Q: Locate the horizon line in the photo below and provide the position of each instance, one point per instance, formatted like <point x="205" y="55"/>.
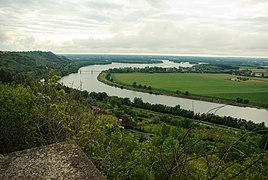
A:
<point x="156" y="54"/>
<point x="141" y="54"/>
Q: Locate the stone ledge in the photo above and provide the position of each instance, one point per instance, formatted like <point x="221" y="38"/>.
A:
<point x="63" y="160"/>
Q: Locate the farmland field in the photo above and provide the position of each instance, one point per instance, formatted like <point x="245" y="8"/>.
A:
<point x="208" y="85"/>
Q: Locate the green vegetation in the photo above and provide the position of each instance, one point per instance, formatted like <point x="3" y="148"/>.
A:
<point x="260" y="71"/>
<point x="209" y="85"/>
<point x="1" y="157"/>
<point x="32" y="65"/>
<point x="108" y="59"/>
<point x="224" y="61"/>
<point x="152" y="144"/>
<point x="36" y="65"/>
<point x="94" y="121"/>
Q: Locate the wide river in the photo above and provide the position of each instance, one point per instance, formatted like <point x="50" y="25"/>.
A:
<point x="86" y="79"/>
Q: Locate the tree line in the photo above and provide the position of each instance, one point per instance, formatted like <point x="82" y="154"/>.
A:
<point x="208" y="117"/>
<point x="199" y="68"/>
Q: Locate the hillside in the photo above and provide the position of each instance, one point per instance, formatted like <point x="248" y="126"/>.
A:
<point x="33" y="64"/>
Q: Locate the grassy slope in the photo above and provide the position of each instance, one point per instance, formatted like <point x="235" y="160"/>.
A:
<point x="212" y="85"/>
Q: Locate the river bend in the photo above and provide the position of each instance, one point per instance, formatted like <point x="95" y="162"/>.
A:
<point x="86" y="79"/>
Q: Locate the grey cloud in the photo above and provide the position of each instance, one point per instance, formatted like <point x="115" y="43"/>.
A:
<point x="261" y="20"/>
<point x="255" y="1"/>
<point x="104" y="5"/>
<point x="137" y="15"/>
<point x="3" y="37"/>
<point x="165" y="38"/>
<point x="49" y="19"/>
<point x="150" y="26"/>
<point x="157" y="3"/>
<point x="175" y="40"/>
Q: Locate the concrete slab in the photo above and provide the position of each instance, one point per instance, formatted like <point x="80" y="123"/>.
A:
<point x="56" y="161"/>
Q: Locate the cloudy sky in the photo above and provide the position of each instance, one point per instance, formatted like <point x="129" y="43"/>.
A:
<point x="199" y="27"/>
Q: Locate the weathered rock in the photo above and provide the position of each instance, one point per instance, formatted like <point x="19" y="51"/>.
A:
<point x="56" y="161"/>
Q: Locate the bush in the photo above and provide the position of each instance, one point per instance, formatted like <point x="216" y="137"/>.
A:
<point x="17" y="123"/>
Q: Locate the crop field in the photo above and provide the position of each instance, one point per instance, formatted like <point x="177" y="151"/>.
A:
<point x="209" y="85"/>
<point x="260" y="71"/>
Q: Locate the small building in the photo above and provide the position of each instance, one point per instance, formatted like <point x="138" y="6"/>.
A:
<point x="236" y="79"/>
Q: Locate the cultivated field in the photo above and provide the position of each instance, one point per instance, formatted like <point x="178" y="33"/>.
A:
<point x="209" y="85"/>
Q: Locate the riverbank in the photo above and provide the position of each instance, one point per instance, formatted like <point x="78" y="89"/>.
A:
<point x="102" y="78"/>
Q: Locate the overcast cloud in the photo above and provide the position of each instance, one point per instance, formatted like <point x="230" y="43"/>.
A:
<point x="206" y="27"/>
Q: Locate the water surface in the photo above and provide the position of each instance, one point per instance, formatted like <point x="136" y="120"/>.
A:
<point x="86" y="79"/>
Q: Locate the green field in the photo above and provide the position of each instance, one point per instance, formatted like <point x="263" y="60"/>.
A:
<point x="208" y="85"/>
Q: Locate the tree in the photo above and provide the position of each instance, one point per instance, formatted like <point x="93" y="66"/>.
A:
<point x="186" y="93"/>
<point x="126" y="101"/>
<point x="264" y="142"/>
<point x="127" y="121"/>
<point x="246" y="101"/>
<point x="165" y="130"/>
<point x="134" y="84"/>
<point x="239" y="100"/>
<point x="138" y="102"/>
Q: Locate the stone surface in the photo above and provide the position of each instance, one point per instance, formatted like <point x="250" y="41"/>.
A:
<point x="56" y="161"/>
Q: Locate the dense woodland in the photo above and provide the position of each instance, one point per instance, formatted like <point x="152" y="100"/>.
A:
<point x="233" y="61"/>
<point x="124" y="139"/>
<point x="108" y="59"/>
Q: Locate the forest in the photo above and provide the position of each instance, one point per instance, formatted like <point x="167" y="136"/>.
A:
<point x="124" y="139"/>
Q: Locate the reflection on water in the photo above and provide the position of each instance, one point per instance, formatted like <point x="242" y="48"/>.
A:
<point x="86" y="79"/>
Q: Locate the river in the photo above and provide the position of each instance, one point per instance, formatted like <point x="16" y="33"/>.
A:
<point x="86" y="79"/>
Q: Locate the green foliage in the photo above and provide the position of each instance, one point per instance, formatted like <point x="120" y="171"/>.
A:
<point x="32" y="65"/>
<point x="1" y="157"/>
<point x="108" y="59"/>
<point x="179" y="149"/>
<point x="17" y="122"/>
<point x="39" y="115"/>
<point x="264" y="142"/>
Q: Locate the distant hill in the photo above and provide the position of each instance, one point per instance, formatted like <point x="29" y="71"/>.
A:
<point x="22" y="60"/>
<point x="31" y="64"/>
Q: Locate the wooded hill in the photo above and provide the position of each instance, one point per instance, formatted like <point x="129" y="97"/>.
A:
<point x="32" y="64"/>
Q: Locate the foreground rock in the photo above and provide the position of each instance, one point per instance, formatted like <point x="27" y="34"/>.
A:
<point x="56" y="161"/>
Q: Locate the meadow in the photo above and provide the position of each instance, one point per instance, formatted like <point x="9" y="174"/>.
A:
<point x="207" y="85"/>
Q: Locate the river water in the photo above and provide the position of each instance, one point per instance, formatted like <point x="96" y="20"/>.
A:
<point x="86" y="79"/>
